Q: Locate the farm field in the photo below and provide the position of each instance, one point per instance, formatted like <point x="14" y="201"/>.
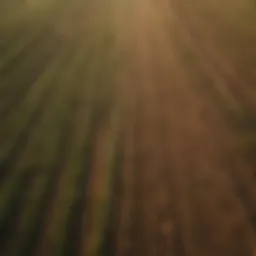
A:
<point x="128" y="128"/>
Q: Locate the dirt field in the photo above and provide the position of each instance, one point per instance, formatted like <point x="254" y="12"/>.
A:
<point x="128" y="128"/>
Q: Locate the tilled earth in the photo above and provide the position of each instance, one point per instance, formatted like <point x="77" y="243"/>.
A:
<point x="129" y="128"/>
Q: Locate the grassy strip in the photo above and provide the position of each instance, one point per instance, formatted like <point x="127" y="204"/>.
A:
<point x="68" y="195"/>
<point x="23" y="137"/>
<point x="11" y="217"/>
<point x="11" y="36"/>
<point x="108" y="242"/>
<point x="17" y="84"/>
<point x="34" y="22"/>
<point x="12" y="185"/>
<point x="12" y="128"/>
<point x="57" y="112"/>
<point x="72" y="170"/>
<point x="103" y="102"/>
<point x="71" y="238"/>
<point x="14" y="52"/>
